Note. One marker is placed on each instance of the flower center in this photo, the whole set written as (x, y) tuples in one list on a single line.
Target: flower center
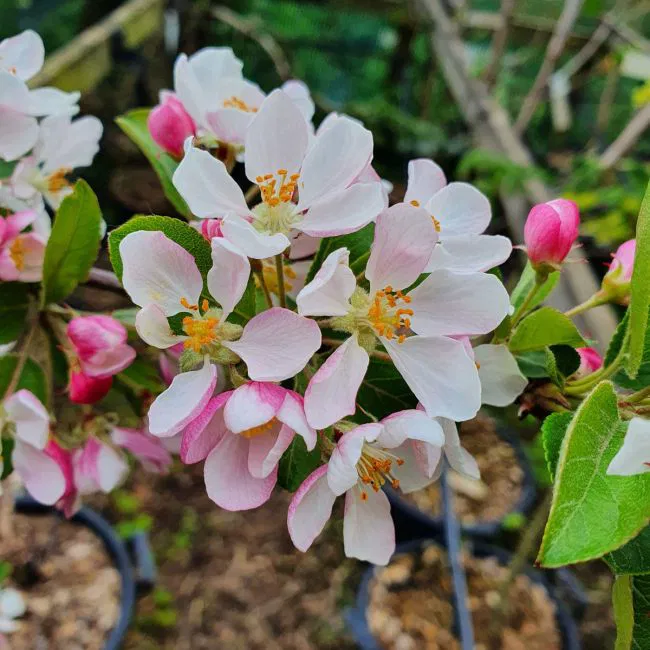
[(57, 180), (375, 468), (240, 104), (387, 315), (274, 193), (259, 430), (17, 253), (201, 330), (436, 223)]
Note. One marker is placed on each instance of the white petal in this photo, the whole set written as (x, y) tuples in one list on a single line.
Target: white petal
[(310, 509), (344, 211), (183, 401), (458, 457), (328, 294), (404, 240), (153, 328), (450, 303), (66, 144), (634, 456), (410, 425), (368, 530), (332, 391), (52, 101), (253, 404), (277, 138), (277, 344), (300, 96), (228, 277), (420, 460), (292, 413), (425, 178), (501, 380), (251, 242), (207, 187), (41, 474), (461, 209), (265, 451), (30, 418), (23, 54), (425, 364), (203, 434), (111, 468), (470, 253), (159, 271), (337, 157)]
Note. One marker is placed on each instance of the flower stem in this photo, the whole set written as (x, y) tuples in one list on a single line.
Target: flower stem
[(523, 308), (279, 268), (590, 303), (22, 360), (585, 385), (265, 288), (333, 343), (639, 396)]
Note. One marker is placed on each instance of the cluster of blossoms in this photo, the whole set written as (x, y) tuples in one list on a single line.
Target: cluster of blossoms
[(41, 145)]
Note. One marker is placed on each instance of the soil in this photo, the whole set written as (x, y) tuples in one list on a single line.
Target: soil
[(70, 587), (410, 606), (495, 494)]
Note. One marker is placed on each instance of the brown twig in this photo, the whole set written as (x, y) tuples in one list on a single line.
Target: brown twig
[(499, 43), (555, 47), (627, 139)]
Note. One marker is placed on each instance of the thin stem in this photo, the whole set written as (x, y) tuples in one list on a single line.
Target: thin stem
[(251, 193), (639, 396), (326, 323), (22, 360), (585, 385), (279, 268), (333, 343), (265, 288), (590, 303), (523, 308)]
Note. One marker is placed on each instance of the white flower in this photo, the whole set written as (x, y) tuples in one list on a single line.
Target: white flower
[(634, 456)]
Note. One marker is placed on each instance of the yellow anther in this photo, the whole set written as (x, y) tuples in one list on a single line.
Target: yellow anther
[(201, 332), (375, 467), (205, 305), (17, 253), (57, 180), (436, 223), (415, 204), (186, 303), (259, 430), (240, 104), (275, 191), (387, 316)]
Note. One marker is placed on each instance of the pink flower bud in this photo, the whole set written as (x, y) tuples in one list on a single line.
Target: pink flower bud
[(550, 232), (590, 361), (211, 228), (616, 283), (83, 389), (170, 125)]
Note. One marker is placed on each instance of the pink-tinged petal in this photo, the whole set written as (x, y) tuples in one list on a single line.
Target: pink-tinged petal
[(344, 211), (410, 425), (300, 96), (425, 178), (253, 404), (109, 362), (310, 509), (229, 124), (551, 230), (29, 248), (634, 456), (168, 362), (207, 187), (277, 138), (227, 479), (92, 334), (501, 380), (22, 55), (42, 476), (332, 391), (251, 242), (303, 246), (83, 389), (403, 243), (204, 433), (265, 450), (228, 277), (159, 271), (342, 465), (460, 209), (450, 303), (458, 457), (112, 468), (624, 260), (328, 294), (153, 327), (590, 361), (184, 400), (470, 253), (146, 448), (339, 154), (29, 416), (292, 413), (424, 363), (170, 125), (277, 344), (17, 222), (420, 460), (368, 529)]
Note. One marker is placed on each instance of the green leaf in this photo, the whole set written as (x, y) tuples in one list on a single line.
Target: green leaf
[(142, 376), (623, 605), (14, 303), (297, 464), (184, 235), (546, 326), (73, 244), (134, 124), (533, 364), (358, 243), (126, 316), (7, 168), (617, 340), (640, 289), (633, 557), (561, 361), (641, 602), (553, 431), (621, 378), (383, 391), (526, 283), (593, 513), (32, 377)]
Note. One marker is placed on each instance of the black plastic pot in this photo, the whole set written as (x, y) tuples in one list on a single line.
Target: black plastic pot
[(133, 559), (413, 523), (358, 622)]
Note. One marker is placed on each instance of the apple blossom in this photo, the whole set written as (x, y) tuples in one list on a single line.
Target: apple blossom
[(148, 449), (616, 283), (21, 253), (551, 230), (415, 328), (501, 379), (590, 361), (83, 389), (275, 344), (280, 161), (363, 460), (459, 214), (634, 456), (170, 124), (242, 434)]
